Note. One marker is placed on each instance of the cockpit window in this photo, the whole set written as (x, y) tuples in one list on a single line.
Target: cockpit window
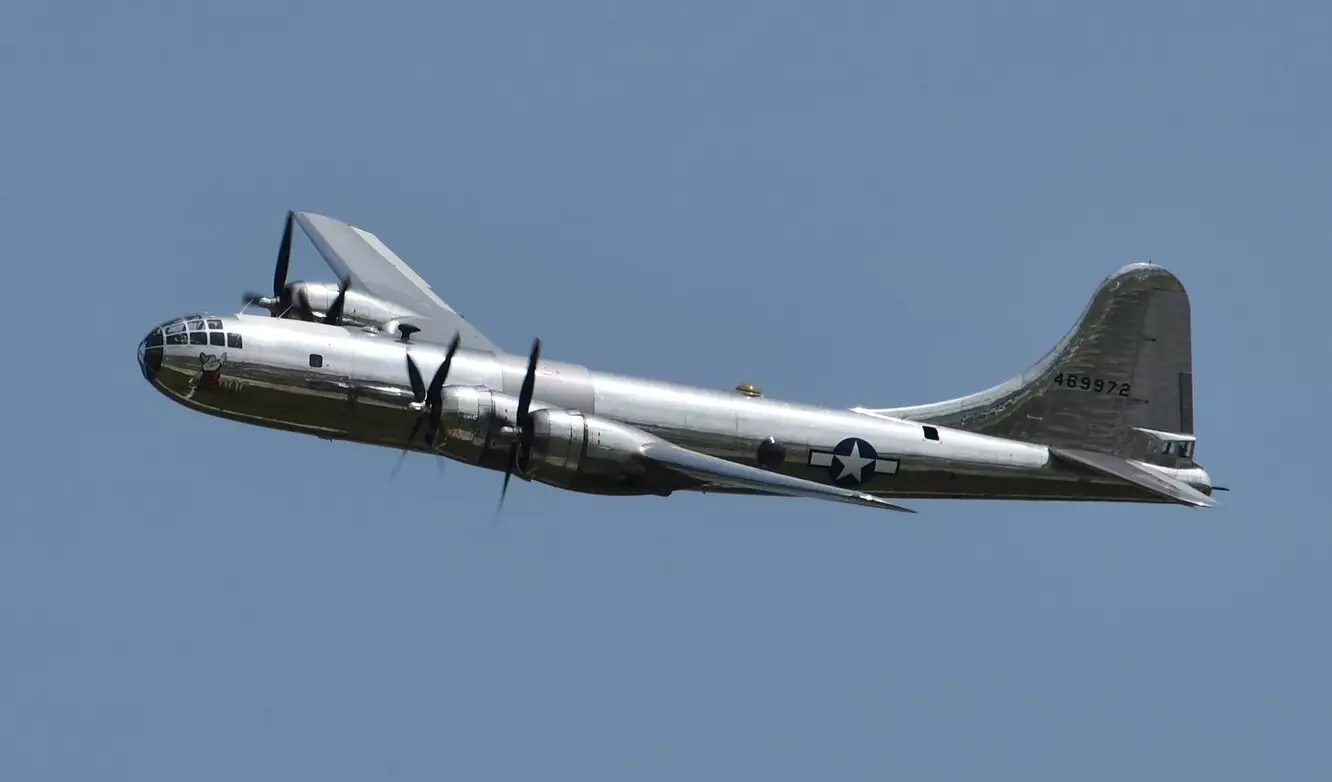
[(197, 330), (1182, 449)]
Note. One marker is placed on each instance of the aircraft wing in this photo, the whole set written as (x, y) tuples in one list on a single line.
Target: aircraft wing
[(738, 476), (376, 270)]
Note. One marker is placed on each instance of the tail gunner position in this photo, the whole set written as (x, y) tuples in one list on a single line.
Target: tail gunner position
[(379, 358)]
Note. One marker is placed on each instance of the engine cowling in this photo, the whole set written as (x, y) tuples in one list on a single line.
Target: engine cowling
[(476, 424), (568, 449), (585, 453), (359, 309)]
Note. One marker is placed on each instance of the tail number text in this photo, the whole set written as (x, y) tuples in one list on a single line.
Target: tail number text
[(1089, 383)]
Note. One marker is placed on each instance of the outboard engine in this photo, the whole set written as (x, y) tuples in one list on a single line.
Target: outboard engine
[(323, 302), (358, 309)]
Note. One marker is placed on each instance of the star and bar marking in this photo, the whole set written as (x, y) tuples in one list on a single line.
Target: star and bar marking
[(851, 462)]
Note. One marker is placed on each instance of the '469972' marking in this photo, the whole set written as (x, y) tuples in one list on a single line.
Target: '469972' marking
[(1090, 383)]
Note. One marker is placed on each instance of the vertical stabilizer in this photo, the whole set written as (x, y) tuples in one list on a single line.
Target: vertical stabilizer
[(1120, 381)]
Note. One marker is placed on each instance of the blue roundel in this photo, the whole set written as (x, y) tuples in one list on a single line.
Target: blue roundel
[(853, 462)]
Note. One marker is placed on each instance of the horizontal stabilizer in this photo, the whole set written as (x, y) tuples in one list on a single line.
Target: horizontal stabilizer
[(1115, 467)]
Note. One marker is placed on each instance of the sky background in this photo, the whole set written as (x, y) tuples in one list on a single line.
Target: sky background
[(845, 203)]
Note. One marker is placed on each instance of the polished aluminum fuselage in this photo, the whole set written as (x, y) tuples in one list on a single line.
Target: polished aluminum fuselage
[(345, 383)]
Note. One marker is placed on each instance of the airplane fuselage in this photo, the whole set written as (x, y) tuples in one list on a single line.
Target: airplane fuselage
[(346, 383)]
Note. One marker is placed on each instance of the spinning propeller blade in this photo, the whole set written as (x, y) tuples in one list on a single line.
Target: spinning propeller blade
[(303, 306), (281, 300), (284, 258), (525, 433), (435, 393), (431, 396), (334, 315)]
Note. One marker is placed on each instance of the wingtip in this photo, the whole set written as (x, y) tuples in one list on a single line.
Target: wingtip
[(1199, 500), (881, 502)]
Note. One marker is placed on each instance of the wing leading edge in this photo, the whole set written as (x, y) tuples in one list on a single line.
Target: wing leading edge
[(378, 271), (738, 476)]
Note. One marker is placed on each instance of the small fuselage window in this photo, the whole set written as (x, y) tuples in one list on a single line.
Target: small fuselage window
[(233, 340), (316, 360)]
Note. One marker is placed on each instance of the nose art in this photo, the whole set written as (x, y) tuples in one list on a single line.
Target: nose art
[(150, 354)]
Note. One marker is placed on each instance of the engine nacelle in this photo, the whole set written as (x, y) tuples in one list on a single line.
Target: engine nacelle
[(359, 309), (569, 449), (585, 453), (477, 424)]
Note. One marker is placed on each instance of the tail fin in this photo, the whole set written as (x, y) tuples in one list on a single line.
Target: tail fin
[(1120, 382)]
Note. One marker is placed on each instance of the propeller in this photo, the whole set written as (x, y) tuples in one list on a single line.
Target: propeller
[(431, 396), (333, 316), (281, 299), (525, 431), (303, 307)]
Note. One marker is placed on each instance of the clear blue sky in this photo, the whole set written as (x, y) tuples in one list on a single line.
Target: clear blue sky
[(846, 203)]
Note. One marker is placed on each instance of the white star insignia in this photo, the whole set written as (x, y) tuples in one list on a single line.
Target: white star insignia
[(853, 463)]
